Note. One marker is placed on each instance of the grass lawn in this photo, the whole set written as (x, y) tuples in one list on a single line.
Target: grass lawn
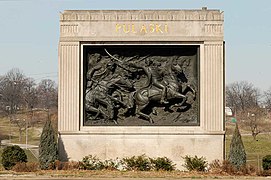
[(255, 149), (9, 129)]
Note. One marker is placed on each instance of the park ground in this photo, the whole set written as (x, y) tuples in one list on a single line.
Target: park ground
[(255, 149), (118, 175)]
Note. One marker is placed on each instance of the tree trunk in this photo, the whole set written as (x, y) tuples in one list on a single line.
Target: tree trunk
[(20, 135), (254, 136)]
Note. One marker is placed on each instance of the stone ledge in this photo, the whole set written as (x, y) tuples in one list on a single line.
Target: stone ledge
[(139, 133), (164, 39), (142, 15)]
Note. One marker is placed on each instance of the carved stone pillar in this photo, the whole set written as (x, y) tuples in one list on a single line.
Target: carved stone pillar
[(69, 87)]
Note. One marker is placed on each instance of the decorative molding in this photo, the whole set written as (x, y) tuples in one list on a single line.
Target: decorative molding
[(140, 133), (69, 28), (213, 28), (142, 15), (215, 44), (163, 39)]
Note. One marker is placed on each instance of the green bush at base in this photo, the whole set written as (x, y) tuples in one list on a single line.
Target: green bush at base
[(48, 152), (267, 162), (12, 155), (237, 155), (195, 163), (134, 163)]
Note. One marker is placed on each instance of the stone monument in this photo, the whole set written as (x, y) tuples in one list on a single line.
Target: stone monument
[(141, 82)]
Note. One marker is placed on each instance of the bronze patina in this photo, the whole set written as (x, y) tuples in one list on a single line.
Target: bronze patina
[(141, 85)]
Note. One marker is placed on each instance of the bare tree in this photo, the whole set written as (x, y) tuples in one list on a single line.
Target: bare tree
[(255, 121), (30, 93), (267, 95), (12, 90), (242, 96), (246, 100), (47, 93), (2, 105), (20, 122), (18, 94)]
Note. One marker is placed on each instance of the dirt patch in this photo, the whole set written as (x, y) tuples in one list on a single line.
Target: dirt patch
[(124, 175)]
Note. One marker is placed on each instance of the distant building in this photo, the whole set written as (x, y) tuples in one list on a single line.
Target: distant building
[(228, 111)]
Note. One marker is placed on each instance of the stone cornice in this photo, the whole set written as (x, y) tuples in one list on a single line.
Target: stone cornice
[(167, 39), (141, 133), (142, 15)]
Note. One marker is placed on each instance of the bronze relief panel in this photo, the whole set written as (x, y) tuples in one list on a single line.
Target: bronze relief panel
[(147, 85)]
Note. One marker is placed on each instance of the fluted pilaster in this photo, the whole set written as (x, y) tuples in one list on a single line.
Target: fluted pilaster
[(212, 87), (69, 87)]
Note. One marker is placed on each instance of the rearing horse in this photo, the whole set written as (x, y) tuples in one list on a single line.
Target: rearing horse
[(145, 95)]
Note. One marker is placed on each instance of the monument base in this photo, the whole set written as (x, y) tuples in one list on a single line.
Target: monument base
[(111, 146)]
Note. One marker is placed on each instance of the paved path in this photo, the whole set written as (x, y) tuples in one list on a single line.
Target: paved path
[(6, 142)]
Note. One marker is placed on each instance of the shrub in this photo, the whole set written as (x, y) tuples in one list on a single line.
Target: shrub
[(226, 167), (222, 166), (237, 154), (266, 162), (26, 167), (48, 152), (91, 163), (70, 165), (112, 164), (264, 173), (12, 155), (247, 170), (138, 163), (162, 163), (215, 165), (195, 163)]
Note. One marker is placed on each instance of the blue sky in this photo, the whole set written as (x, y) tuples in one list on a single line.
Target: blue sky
[(29, 34)]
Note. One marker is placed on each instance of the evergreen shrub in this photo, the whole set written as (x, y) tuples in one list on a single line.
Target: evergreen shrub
[(162, 163), (137, 163), (112, 164), (91, 163), (134, 163), (12, 155), (266, 162), (195, 163), (237, 153), (48, 151)]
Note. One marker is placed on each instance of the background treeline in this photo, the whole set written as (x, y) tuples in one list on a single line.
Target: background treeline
[(244, 96), (24, 104), (19, 92), (251, 107)]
